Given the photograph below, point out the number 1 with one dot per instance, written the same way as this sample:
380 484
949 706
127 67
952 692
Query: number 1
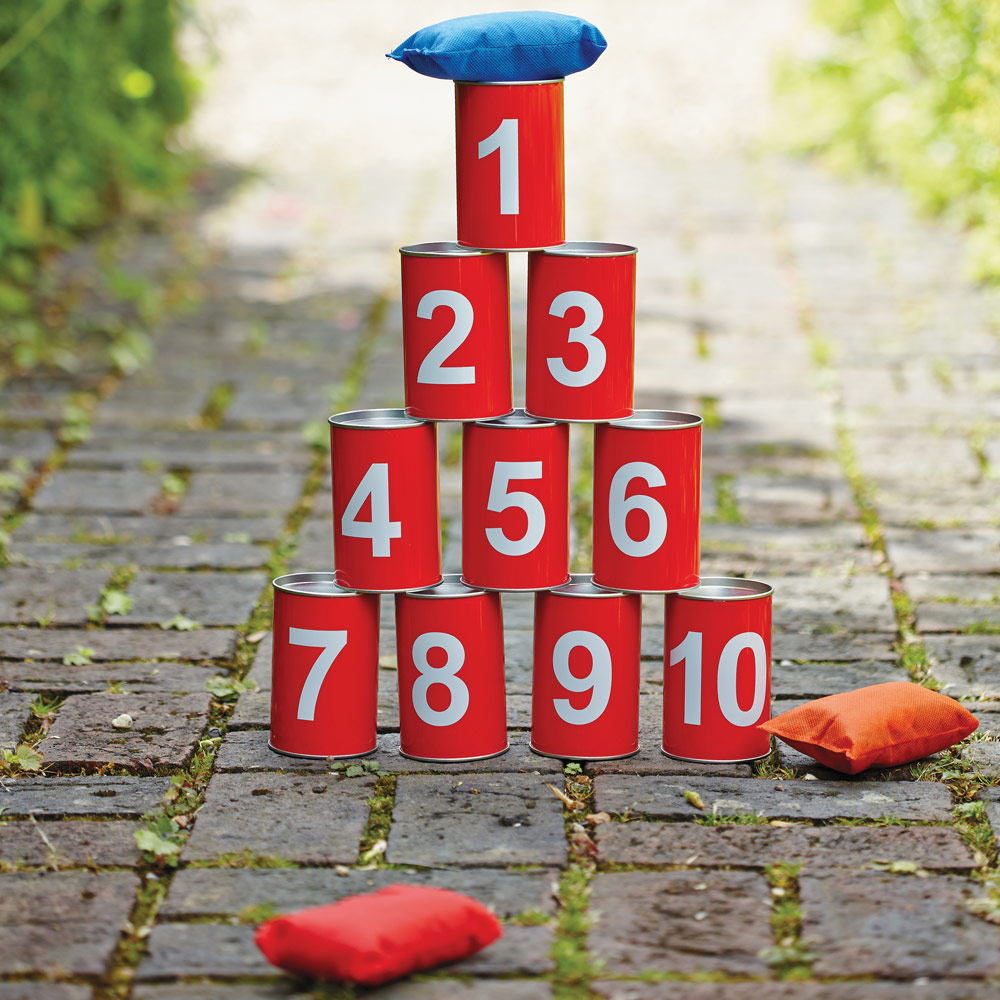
504 140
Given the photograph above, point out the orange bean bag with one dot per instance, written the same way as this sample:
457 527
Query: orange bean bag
877 726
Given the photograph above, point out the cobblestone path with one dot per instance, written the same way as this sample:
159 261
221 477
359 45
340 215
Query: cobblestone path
849 381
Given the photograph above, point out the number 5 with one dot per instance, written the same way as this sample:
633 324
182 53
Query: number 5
332 644
500 499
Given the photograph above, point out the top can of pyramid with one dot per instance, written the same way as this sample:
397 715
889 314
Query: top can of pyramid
506 47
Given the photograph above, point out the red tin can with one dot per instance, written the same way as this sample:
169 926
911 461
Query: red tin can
585 689
509 165
385 501
647 501
515 503
324 668
717 671
456 332
450 666
581 332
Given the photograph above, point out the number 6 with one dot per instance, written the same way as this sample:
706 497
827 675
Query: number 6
619 507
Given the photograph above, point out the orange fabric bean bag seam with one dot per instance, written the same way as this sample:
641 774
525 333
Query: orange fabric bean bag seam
378 936
877 726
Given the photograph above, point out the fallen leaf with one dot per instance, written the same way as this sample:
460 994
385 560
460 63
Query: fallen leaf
342 870
572 804
694 799
598 818
257 636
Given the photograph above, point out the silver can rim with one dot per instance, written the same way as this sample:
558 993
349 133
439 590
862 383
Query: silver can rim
518 414
658 420
446 248
576 579
366 420
286 584
590 248
507 83
758 589
447 580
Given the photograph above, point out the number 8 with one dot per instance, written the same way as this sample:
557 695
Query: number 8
446 675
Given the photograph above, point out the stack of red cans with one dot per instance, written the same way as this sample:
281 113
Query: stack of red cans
515 501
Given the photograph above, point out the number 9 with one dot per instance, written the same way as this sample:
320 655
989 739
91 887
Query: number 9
598 680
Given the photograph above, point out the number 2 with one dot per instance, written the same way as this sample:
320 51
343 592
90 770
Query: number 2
332 643
689 652
597 356
504 140
432 370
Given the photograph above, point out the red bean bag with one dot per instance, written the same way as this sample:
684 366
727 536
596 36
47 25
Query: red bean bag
378 936
877 726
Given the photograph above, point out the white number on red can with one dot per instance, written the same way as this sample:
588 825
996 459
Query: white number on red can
504 139
501 498
619 507
597 356
331 644
598 680
689 651
446 675
432 370
374 484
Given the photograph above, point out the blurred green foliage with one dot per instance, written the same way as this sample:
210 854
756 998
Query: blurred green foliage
911 87
89 91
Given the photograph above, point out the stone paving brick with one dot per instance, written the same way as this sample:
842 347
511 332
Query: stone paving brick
970 588
164 732
854 603
801 500
166 555
940 617
31 445
312 819
921 989
248 751
684 922
51 645
225 952
52 798
203 892
472 819
117 529
177 678
273 990
56 597
43 991
816 680
315 547
14 714
749 846
900 927
967 666
79 490
943 551
480 989
651 760
241 493
991 796
75 842
833 647
62 922
209 598
121 448
663 797
757 550
145 401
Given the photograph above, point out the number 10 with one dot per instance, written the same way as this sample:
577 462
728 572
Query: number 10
689 652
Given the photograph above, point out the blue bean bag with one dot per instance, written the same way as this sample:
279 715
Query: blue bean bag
502 48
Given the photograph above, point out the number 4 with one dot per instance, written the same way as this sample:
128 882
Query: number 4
332 643
374 484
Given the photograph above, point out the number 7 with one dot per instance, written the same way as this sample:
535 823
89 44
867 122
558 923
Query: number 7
332 643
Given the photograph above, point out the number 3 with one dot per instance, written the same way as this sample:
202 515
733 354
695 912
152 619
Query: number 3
597 356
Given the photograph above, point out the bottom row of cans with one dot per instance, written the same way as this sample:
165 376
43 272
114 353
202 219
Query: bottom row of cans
586 677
